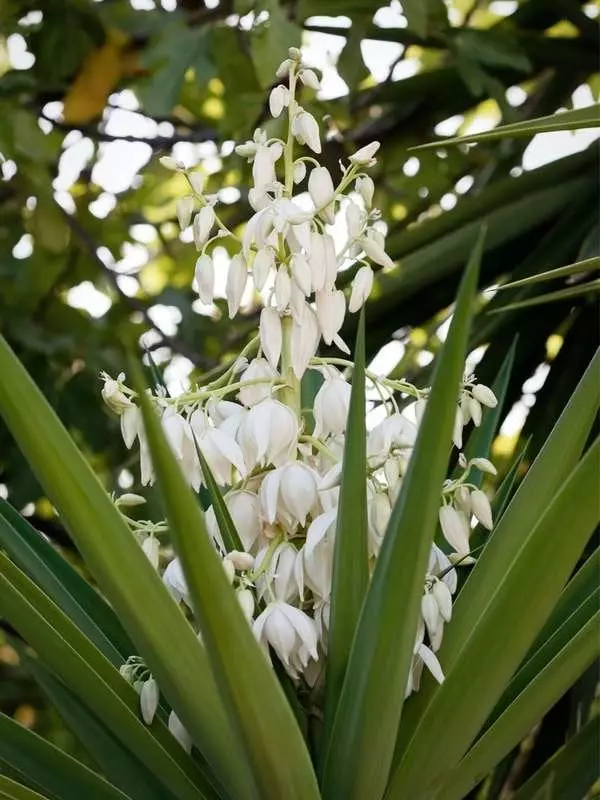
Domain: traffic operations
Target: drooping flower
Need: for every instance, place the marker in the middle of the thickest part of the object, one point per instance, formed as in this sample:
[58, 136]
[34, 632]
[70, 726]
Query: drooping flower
[290, 632]
[331, 406]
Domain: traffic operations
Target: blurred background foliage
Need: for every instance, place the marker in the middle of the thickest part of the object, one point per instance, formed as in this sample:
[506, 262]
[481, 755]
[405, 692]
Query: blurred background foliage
[91, 93]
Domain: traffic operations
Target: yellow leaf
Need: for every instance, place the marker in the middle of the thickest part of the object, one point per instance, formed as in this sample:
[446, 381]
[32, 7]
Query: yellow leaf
[99, 75]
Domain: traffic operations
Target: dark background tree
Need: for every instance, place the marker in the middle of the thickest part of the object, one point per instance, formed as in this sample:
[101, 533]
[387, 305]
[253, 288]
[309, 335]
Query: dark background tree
[90, 252]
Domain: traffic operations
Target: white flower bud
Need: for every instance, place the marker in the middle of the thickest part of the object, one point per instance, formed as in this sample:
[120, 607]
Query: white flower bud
[151, 548]
[242, 562]
[322, 192]
[366, 189]
[179, 732]
[361, 288]
[171, 163]
[264, 262]
[270, 335]
[309, 78]
[294, 53]
[205, 278]
[246, 150]
[482, 509]
[174, 580]
[376, 253]
[364, 156]
[430, 613]
[484, 465]
[149, 697]
[283, 290]
[130, 425]
[455, 529]
[113, 395]
[306, 130]
[299, 171]
[185, 206]
[203, 223]
[457, 431]
[474, 411]
[485, 395]
[237, 276]
[197, 181]
[129, 500]
[355, 219]
[244, 509]
[246, 600]
[443, 599]
[278, 100]
[331, 308]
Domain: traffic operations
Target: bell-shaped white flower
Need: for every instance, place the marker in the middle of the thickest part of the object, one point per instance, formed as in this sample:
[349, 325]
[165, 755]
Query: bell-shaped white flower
[376, 252]
[462, 499]
[484, 395]
[131, 424]
[304, 342]
[355, 220]
[430, 613]
[246, 600]
[263, 166]
[331, 405]
[430, 661]
[278, 579]
[379, 513]
[237, 276]
[278, 100]
[455, 528]
[306, 130]
[174, 580]
[475, 411]
[268, 434]
[290, 632]
[331, 308]
[443, 598]
[301, 273]
[185, 206]
[270, 335]
[258, 369]
[322, 193]
[220, 450]
[283, 290]
[180, 437]
[203, 223]
[393, 433]
[361, 288]
[480, 506]
[298, 490]
[264, 262]
[244, 508]
[366, 189]
[317, 261]
[149, 697]
[113, 395]
[205, 278]
[365, 156]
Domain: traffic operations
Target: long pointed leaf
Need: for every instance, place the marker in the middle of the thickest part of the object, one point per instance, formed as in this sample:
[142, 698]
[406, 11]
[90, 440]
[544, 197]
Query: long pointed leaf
[571, 772]
[351, 558]
[580, 290]
[359, 757]
[11, 790]
[266, 727]
[227, 528]
[586, 265]
[162, 634]
[49, 768]
[577, 119]
[524, 712]
[66, 650]
[503, 633]
[63, 584]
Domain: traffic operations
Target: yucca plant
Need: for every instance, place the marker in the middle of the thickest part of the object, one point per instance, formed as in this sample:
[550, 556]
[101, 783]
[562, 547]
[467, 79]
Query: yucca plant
[303, 640]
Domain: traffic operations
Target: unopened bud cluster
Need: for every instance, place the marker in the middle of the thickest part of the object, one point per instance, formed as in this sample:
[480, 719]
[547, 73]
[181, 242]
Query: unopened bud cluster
[281, 480]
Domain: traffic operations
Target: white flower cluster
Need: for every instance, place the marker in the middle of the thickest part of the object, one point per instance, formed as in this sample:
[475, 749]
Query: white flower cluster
[280, 481]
